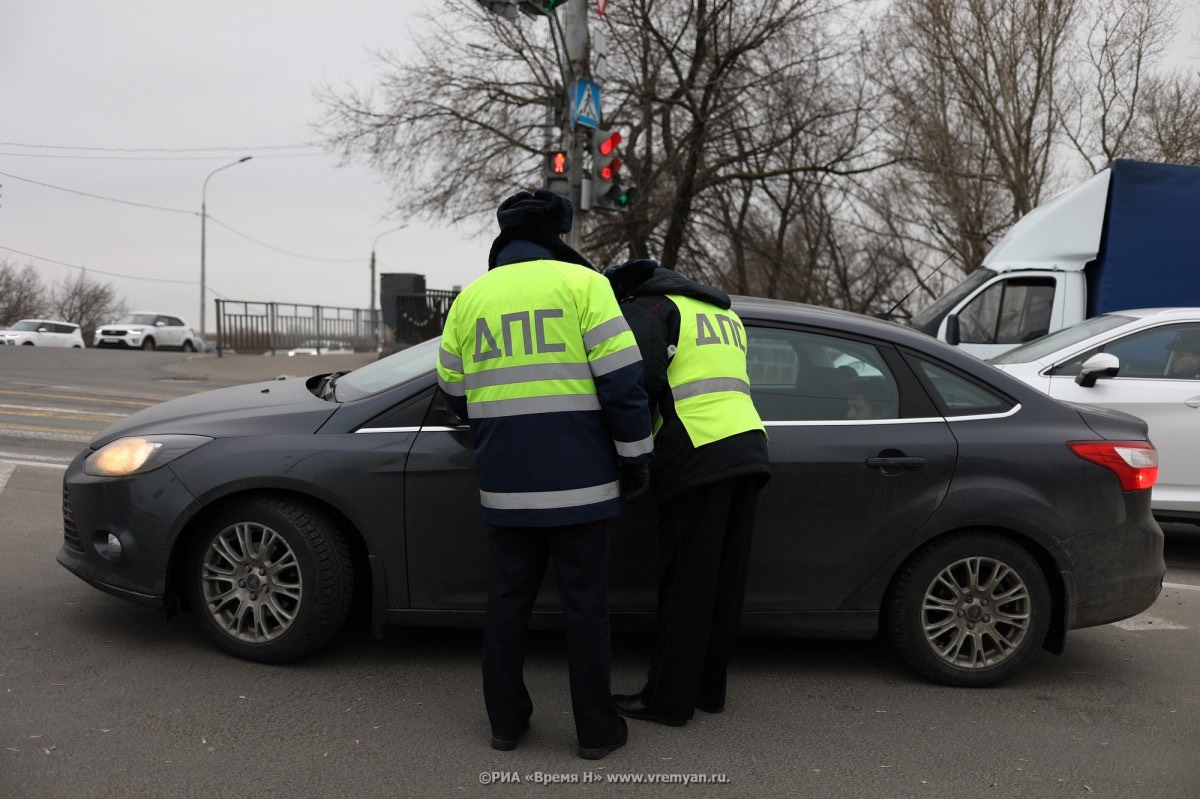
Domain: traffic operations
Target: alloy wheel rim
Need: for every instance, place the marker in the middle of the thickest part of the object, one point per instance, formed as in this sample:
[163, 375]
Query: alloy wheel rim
[251, 583]
[976, 613]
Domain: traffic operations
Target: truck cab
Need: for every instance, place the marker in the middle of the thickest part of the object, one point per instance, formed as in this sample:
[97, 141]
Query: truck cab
[1034, 281]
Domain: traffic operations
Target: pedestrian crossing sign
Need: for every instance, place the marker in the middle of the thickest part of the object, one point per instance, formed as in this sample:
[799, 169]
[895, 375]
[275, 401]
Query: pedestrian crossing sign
[585, 107]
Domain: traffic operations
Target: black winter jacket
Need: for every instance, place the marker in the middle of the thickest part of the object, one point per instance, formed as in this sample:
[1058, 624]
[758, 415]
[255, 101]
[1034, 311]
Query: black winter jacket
[642, 286]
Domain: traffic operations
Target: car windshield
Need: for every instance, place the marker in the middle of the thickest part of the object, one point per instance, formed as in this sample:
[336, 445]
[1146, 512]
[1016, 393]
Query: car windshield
[137, 319]
[26, 324]
[390, 371]
[929, 319]
[1049, 345]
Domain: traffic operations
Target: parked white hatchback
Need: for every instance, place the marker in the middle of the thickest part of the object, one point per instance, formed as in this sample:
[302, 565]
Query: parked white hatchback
[1145, 362]
[148, 330]
[42, 333]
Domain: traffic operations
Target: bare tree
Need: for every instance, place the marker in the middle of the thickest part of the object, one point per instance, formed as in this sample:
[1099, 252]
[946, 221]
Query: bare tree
[85, 301]
[1114, 80]
[717, 99]
[22, 295]
[1168, 127]
[973, 122]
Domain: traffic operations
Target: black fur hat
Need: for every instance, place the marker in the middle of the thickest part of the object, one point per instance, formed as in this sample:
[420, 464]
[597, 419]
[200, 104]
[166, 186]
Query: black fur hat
[542, 208]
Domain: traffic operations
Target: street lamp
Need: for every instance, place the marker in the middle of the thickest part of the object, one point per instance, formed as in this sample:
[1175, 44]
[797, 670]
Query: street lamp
[203, 225]
[378, 331]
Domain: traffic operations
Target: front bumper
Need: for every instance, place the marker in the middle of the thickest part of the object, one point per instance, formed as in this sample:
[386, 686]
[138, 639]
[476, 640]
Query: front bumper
[145, 512]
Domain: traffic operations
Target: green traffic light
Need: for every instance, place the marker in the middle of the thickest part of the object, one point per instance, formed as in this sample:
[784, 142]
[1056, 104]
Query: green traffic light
[626, 196]
[548, 6]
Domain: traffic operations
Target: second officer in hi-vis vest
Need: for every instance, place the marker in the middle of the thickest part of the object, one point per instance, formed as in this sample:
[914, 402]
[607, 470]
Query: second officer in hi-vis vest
[710, 460]
[537, 355]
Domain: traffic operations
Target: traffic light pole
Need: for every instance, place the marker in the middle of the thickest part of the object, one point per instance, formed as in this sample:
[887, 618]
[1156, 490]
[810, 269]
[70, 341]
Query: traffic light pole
[575, 34]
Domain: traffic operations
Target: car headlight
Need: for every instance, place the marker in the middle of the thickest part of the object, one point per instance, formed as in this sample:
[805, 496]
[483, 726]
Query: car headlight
[138, 454]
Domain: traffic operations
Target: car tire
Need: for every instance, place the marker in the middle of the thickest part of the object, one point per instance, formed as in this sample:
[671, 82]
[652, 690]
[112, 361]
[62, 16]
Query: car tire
[969, 610]
[188, 346]
[148, 343]
[271, 579]
[28, 344]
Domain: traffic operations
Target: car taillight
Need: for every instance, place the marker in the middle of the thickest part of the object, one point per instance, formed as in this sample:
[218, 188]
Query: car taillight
[1134, 462]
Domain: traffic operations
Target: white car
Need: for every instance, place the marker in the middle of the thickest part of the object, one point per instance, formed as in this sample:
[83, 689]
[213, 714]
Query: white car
[42, 333]
[1145, 362]
[148, 330]
[323, 347]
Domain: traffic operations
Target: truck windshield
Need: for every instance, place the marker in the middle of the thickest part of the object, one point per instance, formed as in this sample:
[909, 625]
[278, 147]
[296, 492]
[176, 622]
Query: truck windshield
[929, 319]
[1059, 340]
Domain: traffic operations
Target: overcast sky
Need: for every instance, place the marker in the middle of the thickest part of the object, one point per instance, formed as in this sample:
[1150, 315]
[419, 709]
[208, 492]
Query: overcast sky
[138, 101]
[96, 96]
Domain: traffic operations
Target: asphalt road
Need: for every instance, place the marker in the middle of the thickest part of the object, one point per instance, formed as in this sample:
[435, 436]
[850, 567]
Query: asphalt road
[101, 697]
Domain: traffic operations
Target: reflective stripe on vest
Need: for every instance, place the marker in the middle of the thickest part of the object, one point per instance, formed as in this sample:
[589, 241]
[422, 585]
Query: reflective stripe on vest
[707, 374]
[515, 359]
[541, 500]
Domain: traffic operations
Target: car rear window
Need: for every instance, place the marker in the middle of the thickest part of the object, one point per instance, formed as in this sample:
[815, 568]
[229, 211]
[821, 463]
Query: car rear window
[958, 395]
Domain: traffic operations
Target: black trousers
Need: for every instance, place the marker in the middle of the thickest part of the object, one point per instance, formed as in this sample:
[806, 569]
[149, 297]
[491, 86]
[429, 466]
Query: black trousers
[517, 564]
[704, 540]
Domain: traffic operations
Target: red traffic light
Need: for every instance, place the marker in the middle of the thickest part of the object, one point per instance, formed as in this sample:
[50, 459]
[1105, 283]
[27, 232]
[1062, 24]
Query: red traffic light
[558, 162]
[608, 145]
[611, 170]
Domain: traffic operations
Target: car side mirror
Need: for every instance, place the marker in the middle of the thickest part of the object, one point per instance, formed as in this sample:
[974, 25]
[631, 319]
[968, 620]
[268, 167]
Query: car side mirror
[952, 335]
[1102, 364]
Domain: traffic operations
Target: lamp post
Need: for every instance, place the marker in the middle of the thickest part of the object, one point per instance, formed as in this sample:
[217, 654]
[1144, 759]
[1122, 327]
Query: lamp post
[203, 225]
[374, 314]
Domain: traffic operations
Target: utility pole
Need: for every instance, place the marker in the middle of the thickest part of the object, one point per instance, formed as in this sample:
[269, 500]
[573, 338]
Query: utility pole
[579, 98]
[575, 34]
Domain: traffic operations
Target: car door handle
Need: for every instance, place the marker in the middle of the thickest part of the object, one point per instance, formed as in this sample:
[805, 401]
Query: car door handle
[895, 464]
[1194, 402]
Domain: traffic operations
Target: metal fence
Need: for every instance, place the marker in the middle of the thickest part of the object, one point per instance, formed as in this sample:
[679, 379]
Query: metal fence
[258, 327]
[420, 317]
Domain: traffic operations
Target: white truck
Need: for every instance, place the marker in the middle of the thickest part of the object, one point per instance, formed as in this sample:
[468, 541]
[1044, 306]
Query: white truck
[1127, 237]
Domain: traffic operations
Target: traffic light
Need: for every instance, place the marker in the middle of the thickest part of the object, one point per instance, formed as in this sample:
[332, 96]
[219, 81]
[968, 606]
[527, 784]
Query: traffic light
[536, 8]
[606, 166]
[607, 191]
[558, 173]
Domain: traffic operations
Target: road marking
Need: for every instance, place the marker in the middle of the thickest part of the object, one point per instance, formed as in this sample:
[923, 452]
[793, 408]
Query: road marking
[45, 433]
[1145, 622]
[6, 470]
[1184, 586]
[108, 399]
[68, 413]
[37, 460]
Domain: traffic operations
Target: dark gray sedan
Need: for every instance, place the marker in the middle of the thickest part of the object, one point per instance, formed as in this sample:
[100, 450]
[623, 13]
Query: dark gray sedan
[917, 493]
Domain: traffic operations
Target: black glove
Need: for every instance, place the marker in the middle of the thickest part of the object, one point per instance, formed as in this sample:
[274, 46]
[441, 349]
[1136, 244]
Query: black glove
[635, 479]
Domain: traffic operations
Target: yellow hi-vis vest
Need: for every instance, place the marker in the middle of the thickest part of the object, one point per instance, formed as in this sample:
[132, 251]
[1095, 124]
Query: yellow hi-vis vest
[707, 374]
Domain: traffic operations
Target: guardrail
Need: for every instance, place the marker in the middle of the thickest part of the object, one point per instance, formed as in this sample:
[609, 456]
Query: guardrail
[274, 327]
[258, 327]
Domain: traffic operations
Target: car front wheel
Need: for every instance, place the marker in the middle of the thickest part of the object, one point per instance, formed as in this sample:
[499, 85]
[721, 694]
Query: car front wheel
[969, 610]
[271, 579]
[188, 346]
[148, 344]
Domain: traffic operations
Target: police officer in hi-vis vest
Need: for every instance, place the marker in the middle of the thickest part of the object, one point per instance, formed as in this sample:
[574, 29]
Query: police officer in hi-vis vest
[537, 355]
[710, 460]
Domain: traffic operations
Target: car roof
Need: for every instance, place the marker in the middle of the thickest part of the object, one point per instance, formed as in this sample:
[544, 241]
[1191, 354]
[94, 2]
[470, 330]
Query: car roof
[1178, 312]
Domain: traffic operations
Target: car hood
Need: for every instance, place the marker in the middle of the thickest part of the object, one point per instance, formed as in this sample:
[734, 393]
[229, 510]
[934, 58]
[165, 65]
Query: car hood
[273, 407]
[117, 325]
